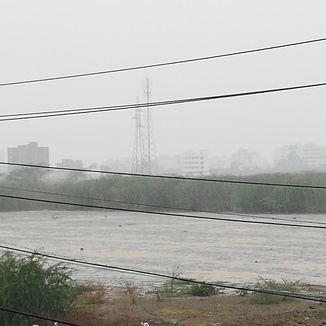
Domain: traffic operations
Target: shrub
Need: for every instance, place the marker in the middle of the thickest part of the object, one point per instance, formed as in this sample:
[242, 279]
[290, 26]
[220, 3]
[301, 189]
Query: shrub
[266, 298]
[173, 287]
[202, 290]
[30, 285]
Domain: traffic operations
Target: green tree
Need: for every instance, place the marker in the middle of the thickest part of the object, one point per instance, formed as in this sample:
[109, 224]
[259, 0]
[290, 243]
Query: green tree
[29, 284]
[26, 176]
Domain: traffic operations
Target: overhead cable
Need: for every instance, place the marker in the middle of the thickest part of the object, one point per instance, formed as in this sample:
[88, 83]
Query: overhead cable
[99, 109]
[190, 216]
[162, 64]
[27, 314]
[167, 177]
[164, 276]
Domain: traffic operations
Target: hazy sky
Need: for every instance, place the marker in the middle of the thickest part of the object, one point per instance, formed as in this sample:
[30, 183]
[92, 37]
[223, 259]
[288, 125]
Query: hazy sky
[51, 38]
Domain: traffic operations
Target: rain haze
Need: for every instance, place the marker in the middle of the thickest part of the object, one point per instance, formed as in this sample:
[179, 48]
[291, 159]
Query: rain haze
[45, 39]
[235, 201]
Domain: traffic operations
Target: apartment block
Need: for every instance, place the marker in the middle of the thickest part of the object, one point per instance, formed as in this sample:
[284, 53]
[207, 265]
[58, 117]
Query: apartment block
[28, 154]
[195, 163]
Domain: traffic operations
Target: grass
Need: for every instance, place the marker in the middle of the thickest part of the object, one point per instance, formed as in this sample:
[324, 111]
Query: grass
[175, 287]
[270, 284]
[30, 284]
[93, 294]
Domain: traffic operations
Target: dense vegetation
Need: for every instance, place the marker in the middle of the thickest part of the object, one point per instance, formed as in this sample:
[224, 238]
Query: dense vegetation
[164, 194]
[30, 285]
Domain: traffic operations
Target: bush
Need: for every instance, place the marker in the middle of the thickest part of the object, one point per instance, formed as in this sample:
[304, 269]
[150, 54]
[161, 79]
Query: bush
[202, 290]
[172, 287]
[175, 287]
[265, 298]
[30, 285]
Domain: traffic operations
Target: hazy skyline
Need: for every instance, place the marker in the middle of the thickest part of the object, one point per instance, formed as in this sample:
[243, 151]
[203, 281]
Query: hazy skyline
[41, 39]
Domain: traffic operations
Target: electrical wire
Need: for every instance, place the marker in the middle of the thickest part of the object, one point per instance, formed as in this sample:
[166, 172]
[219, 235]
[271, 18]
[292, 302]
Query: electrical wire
[27, 314]
[99, 109]
[168, 177]
[170, 208]
[163, 64]
[159, 275]
[201, 217]
[93, 110]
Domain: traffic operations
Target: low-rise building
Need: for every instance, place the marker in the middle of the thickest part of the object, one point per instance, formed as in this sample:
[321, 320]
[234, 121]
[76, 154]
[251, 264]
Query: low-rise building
[306, 156]
[195, 163]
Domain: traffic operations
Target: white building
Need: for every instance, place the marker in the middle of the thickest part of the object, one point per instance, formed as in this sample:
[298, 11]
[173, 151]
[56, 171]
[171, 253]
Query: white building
[246, 160]
[195, 163]
[313, 156]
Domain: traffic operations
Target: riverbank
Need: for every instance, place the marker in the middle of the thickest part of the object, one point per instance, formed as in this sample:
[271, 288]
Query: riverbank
[130, 307]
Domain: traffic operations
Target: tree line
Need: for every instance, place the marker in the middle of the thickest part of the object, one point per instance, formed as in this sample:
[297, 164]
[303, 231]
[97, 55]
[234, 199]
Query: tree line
[123, 192]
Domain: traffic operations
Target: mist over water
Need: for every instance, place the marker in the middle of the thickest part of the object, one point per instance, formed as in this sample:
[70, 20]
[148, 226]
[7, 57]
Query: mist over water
[203, 250]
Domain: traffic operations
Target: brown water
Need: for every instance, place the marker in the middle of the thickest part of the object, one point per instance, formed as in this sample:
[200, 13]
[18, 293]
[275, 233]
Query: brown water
[204, 250]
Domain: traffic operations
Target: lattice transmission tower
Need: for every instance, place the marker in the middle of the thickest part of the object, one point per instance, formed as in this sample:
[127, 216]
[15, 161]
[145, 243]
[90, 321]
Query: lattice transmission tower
[144, 160]
[139, 159]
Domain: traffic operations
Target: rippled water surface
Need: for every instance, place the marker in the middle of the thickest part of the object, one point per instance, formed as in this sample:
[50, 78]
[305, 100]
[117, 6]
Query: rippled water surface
[202, 249]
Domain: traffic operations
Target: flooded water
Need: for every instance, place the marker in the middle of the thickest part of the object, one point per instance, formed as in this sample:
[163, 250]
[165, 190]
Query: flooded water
[201, 249]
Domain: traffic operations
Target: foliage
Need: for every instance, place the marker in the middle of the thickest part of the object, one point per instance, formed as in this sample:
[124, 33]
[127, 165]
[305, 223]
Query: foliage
[28, 284]
[173, 287]
[202, 290]
[28, 176]
[270, 284]
[263, 199]
[164, 195]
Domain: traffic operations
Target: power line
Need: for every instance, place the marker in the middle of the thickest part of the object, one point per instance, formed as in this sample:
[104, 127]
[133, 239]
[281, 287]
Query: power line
[162, 64]
[171, 208]
[99, 109]
[159, 275]
[27, 314]
[168, 177]
[209, 218]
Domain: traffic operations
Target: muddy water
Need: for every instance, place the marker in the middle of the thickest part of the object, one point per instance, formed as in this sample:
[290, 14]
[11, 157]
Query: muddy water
[204, 250]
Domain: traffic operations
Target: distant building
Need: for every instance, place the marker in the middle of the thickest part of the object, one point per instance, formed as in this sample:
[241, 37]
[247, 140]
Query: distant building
[220, 164]
[60, 175]
[314, 156]
[169, 164]
[245, 160]
[119, 165]
[28, 154]
[304, 157]
[69, 163]
[195, 163]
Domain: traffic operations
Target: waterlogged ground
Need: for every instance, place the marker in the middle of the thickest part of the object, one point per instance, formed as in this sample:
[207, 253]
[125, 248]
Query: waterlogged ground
[201, 249]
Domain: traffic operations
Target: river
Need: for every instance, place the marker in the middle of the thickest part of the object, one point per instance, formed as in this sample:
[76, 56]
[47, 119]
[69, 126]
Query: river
[205, 250]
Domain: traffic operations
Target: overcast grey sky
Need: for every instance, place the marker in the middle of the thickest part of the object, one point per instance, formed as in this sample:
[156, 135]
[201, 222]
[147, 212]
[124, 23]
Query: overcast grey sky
[50, 38]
